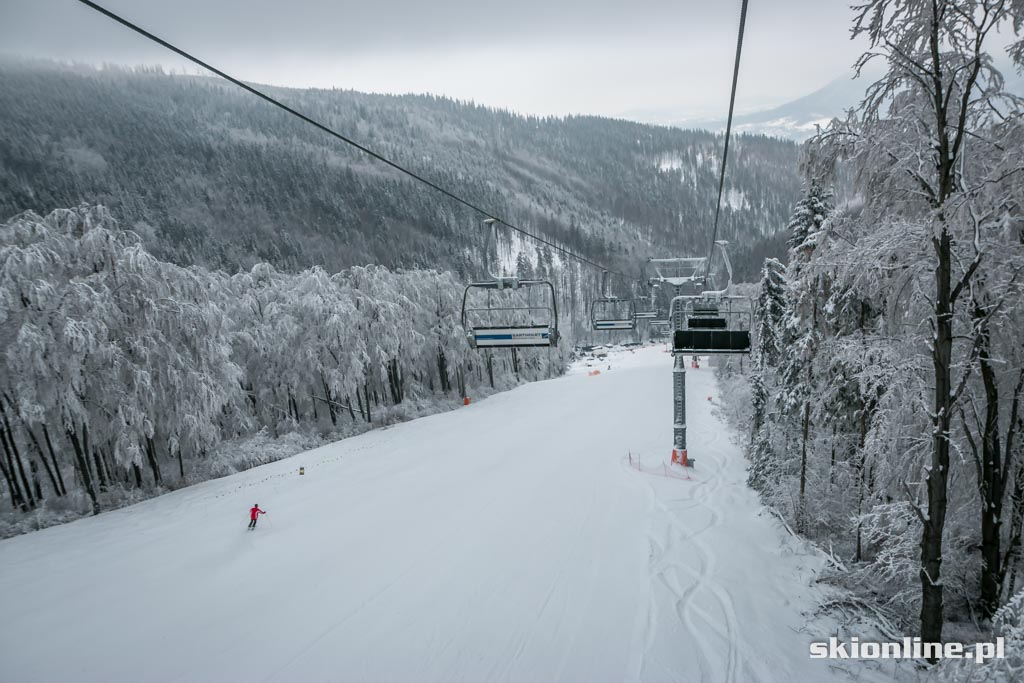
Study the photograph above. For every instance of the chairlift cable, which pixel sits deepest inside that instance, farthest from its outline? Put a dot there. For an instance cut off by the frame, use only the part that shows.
(330, 131)
(728, 130)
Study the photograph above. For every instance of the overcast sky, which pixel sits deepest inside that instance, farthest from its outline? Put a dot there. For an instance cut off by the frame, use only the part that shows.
(607, 57)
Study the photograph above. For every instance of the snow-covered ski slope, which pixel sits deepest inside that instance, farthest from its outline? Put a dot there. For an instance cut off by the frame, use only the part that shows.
(507, 541)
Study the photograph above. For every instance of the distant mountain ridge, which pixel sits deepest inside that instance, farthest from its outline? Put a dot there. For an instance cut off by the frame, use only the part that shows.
(209, 175)
(798, 119)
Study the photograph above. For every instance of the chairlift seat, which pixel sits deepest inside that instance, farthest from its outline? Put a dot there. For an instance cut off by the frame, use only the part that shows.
(614, 324)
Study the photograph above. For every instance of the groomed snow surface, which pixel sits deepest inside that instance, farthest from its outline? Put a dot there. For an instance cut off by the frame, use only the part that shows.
(507, 541)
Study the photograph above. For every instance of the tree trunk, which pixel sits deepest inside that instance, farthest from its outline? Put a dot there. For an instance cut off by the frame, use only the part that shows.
(17, 467)
(330, 401)
(53, 458)
(832, 462)
(15, 454)
(36, 485)
(1013, 544)
(861, 476)
(991, 484)
(251, 394)
(442, 371)
(1011, 462)
(12, 486)
(393, 385)
(934, 521)
(83, 469)
(154, 464)
(800, 519)
(42, 458)
(100, 473)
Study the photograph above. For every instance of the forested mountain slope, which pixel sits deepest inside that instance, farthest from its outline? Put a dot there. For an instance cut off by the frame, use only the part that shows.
(209, 175)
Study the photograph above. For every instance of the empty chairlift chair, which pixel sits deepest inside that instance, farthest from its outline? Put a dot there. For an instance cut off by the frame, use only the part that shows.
(711, 325)
(609, 312)
(644, 307)
(613, 314)
(508, 322)
(504, 319)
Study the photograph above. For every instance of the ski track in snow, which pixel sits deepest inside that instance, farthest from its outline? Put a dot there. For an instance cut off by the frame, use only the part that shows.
(508, 541)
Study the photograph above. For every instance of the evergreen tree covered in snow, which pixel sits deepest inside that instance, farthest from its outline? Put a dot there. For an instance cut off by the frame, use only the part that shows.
(222, 180)
(808, 216)
(770, 314)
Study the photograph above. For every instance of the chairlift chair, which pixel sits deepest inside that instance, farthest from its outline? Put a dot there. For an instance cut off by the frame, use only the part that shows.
(712, 322)
(510, 323)
(644, 307)
(610, 312)
(705, 326)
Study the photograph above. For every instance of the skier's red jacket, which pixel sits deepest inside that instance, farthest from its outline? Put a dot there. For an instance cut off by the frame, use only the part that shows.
(255, 512)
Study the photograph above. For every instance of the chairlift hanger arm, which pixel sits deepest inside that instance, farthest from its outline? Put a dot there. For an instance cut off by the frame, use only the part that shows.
(721, 244)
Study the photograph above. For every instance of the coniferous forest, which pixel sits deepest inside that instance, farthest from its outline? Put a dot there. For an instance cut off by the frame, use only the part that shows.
(209, 175)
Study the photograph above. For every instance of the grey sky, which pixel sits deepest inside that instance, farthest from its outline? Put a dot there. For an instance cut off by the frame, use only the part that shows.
(607, 57)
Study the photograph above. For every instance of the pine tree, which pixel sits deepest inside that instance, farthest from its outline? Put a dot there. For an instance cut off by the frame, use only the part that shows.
(808, 216)
(770, 313)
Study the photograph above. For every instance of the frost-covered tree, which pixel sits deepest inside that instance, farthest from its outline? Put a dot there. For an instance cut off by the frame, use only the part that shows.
(933, 134)
(890, 430)
(808, 216)
(770, 313)
(803, 324)
(120, 373)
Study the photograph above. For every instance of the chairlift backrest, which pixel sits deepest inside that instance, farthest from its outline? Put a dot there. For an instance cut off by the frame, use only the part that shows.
(711, 325)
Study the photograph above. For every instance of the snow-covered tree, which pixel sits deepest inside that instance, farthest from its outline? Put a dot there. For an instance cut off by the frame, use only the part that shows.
(933, 135)
(115, 364)
(770, 314)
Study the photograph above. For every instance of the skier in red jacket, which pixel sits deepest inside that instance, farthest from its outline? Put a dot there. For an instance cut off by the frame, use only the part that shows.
(254, 513)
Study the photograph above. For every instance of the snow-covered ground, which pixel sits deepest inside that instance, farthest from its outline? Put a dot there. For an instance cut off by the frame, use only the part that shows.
(506, 541)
